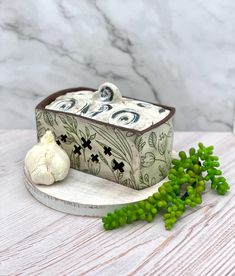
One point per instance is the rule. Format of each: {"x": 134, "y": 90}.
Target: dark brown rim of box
{"x": 53, "y": 96}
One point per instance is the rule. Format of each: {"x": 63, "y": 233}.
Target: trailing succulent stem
{"x": 187, "y": 181}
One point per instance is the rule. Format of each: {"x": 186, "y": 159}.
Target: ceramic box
{"x": 116, "y": 150}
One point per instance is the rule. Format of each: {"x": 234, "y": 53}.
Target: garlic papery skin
{"x": 47, "y": 162}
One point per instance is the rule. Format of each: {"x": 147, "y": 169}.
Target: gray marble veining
{"x": 179, "y": 53}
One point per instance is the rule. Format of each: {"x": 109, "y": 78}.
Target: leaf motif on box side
{"x": 75, "y": 160}
{"x": 75, "y": 124}
{"x": 55, "y": 119}
{"x": 41, "y": 131}
{"x": 69, "y": 120}
{"x": 162, "y": 170}
{"x": 102, "y": 158}
{"x": 70, "y": 138}
{"x": 93, "y": 168}
{"x": 115, "y": 153}
{"x": 139, "y": 143}
{"x": 111, "y": 140}
{"x": 63, "y": 120}
{"x": 82, "y": 133}
{"x": 38, "y": 115}
{"x": 152, "y": 140}
{"x": 48, "y": 119}
{"x": 162, "y": 143}
{"x": 124, "y": 142}
{"x": 87, "y": 131}
{"x": 92, "y": 137}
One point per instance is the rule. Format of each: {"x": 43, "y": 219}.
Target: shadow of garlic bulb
{"x": 46, "y": 162}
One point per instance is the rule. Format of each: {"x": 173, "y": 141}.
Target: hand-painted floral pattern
{"x": 162, "y": 143}
{"x": 148, "y": 159}
{"x": 134, "y": 160}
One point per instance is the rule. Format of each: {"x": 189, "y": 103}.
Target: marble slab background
{"x": 177, "y": 52}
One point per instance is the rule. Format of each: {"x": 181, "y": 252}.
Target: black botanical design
{"x": 77, "y": 149}
{"x": 76, "y": 135}
{"x": 74, "y": 160}
{"x": 93, "y": 167}
{"x": 48, "y": 119}
{"x": 58, "y": 142}
{"x": 94, "y": 158}
{"x": 87, "y": 131}
{"x": 121, "y": 150}
{"x": 107, "y": 151}
{"x": 163, "y": 170}
{"x": 118, "y": 166}
{"x": 115, "y": 150}
{"x": 148, "y": 159}
{"x": 86, "y": 143}
{"x": 162, "y": 143}
{"x": 146, "y": 181}
{"x": 63, "y": 137}
{"x": 102, "y": 158}
{"x": 152, "y": 140}
{"x": 139, "y": 143}
{"x": 40, "y": 128}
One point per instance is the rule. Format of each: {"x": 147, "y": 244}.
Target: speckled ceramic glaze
{"x": 109, "y": 136}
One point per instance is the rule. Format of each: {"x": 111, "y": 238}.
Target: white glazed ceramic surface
{"x": 107, "y": 105}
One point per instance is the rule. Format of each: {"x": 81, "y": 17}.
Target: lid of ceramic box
{"x": 107, "y": 105}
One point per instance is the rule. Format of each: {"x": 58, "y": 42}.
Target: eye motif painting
{"x": 107, "y": 105}
{"x": 65, "y": 105}
{"x": 125, "y": 117}
{"x": 106, "y": 94}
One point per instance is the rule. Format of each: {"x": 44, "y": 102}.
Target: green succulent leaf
{"x": 184, "y": 188}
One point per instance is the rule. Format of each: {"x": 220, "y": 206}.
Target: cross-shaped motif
{"x": 58, "y": 142}
{"x": 63, "y": 138}
{"x": 94, "y": 158}
{"x": 118, "y": 166}
{"x": 86, "y": 143}
{"x": 107, "y": 150}
{"x": 77, "y": 149}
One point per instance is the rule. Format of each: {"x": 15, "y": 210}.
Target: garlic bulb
{"x": 46, "y": 162}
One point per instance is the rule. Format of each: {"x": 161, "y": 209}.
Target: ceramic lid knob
{"x": 108, "y": 93}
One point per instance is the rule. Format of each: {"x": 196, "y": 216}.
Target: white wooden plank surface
{"x": 36, "y": 240}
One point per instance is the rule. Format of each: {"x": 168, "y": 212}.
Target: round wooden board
{"x": 86, "y": 195}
